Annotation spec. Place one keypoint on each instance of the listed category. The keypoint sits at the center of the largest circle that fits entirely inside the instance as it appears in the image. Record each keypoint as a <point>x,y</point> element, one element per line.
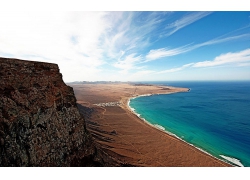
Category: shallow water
<point>213,116</point>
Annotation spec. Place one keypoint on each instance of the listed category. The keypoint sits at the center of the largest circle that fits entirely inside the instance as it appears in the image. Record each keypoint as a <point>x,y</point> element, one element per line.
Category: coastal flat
<point>128,138</point>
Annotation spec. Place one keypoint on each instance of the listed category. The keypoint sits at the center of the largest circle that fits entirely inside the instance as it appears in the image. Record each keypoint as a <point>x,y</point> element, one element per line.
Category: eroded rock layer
<point>40,124</point>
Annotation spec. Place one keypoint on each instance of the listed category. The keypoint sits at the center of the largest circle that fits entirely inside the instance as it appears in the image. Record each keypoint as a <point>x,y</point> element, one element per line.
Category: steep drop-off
<point>40,124</point>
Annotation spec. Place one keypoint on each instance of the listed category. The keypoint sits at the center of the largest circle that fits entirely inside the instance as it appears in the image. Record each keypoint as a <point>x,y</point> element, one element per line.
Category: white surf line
<point>159,127</point>
<point>172,134</point>
<point>232,160</point>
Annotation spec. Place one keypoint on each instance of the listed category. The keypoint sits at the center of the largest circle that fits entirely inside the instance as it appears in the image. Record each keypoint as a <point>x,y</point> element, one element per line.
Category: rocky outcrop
<point>40,124</point>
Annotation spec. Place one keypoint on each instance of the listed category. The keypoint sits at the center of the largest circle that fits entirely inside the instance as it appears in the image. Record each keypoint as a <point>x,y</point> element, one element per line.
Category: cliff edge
<point>40,124</point>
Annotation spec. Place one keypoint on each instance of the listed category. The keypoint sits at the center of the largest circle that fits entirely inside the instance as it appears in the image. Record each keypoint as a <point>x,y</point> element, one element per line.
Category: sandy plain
<point>130,139</point>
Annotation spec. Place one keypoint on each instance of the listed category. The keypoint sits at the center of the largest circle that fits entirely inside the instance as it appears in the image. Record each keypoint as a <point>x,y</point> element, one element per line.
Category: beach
<point>124,135</point>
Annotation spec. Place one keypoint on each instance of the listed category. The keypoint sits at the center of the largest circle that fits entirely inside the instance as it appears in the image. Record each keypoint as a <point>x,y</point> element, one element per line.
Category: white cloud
<point>50,34</point>
<point>241,58</point>
<point>82,42</point>
<point>164,52</point>
<point>220,40</point>
<point>184,21</point>
<point>68,39</point>
<point>228,58</point>
<point>76,40</point>
<point>155,54</point>
<point>128,32</point>
<point>176,69</point>
<point>128,63</point>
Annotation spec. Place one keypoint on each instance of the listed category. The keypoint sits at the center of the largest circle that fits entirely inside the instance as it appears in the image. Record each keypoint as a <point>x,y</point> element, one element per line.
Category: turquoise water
<point>213,116</point>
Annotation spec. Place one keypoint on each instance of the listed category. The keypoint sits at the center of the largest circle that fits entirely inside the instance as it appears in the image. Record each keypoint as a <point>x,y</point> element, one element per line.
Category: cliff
<point>40,124</point>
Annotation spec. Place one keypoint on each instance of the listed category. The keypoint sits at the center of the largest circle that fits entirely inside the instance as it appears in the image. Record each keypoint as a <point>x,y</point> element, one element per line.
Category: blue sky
<point>132,46</point>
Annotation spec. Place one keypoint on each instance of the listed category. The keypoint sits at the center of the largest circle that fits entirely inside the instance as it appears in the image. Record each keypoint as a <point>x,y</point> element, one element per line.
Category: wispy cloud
<point>228,58</point>
<point>241,58</point>
<point>128,63</point>
<point>131,61</point>
<point>164,52</point>
<point>175,69</point>
<point>184,21</point>
<point>155,54</point>
<point>129,32</point>
<point>221,40</point>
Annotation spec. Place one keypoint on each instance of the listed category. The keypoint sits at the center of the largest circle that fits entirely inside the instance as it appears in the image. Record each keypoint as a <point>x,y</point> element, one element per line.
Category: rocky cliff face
<point>40,124</point>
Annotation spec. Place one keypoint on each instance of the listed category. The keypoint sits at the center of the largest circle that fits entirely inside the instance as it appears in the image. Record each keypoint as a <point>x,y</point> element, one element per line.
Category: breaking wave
<point>232,160</point>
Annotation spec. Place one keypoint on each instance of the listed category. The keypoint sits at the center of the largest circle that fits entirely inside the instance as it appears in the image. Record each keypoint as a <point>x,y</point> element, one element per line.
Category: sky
<point>132,45</point>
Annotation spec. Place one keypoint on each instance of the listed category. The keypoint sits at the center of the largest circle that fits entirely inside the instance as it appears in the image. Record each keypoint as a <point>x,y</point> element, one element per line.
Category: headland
<point>120,132</point>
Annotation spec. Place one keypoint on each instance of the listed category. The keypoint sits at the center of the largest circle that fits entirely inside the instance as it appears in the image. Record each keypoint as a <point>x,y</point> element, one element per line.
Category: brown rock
<point>40,124</point>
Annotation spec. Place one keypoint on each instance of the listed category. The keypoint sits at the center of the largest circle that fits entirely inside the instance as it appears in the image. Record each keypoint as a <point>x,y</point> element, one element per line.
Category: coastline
<point>130,138</point>
<point>162,129</point>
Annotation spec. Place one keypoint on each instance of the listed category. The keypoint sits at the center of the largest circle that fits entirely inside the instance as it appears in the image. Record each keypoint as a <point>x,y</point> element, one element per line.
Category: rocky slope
<point>40,124</point>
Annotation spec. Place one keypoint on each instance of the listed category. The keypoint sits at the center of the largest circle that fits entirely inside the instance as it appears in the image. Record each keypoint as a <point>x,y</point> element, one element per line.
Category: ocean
<point>212,116</point>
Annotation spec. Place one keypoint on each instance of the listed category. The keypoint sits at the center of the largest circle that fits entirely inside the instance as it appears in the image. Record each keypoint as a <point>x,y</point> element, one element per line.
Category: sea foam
<point>206,90</point>
<point>159,127</point>
<point>174,135</point>
<point>232,160</point>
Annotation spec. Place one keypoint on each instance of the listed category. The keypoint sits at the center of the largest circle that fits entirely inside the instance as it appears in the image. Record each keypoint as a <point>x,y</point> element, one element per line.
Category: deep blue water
<point>213,116</point>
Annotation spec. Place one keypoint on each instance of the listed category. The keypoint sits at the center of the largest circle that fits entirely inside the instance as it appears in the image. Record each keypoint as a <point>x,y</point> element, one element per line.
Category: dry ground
<point>127,137</point>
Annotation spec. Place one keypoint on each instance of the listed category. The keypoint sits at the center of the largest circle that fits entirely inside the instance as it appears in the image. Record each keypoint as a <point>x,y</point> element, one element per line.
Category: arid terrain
<point>128,138</point>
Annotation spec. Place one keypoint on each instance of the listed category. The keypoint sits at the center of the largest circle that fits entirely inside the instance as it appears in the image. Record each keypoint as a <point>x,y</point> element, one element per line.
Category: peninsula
<point>123,134</point>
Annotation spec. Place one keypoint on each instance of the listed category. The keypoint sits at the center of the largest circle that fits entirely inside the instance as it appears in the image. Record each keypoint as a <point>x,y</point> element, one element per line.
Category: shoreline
<point>131,138</point>
<point>162,129</point>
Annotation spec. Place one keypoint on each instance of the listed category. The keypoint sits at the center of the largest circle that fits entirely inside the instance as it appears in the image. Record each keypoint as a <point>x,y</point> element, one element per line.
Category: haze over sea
<point>213,116</point>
